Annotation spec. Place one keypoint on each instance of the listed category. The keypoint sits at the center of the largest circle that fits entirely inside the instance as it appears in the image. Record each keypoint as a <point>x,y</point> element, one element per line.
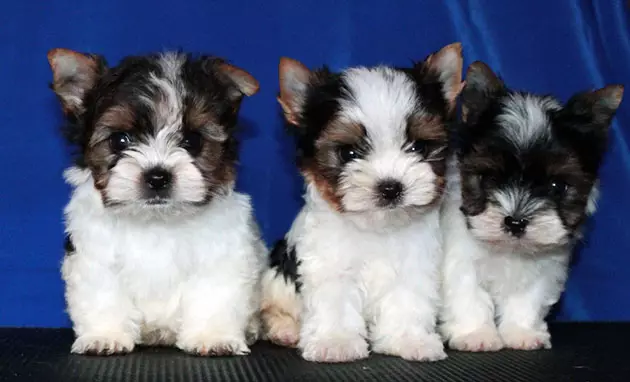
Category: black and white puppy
<point>160,249</point>
<point>524,179</point>
<point>361,259</point>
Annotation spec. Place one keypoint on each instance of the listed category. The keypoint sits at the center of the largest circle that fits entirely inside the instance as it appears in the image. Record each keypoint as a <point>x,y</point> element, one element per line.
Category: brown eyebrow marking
<point>344,132</point>
<point>426,127</point>
<point>198,115</point>
<point>118,117</point>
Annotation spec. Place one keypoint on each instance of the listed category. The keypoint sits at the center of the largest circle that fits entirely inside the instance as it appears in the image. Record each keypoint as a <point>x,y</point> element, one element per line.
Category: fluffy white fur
<point>190,281</point>
<point>180,267</point>
<point>516,284</point>
<point>496,290</point>
<point>374,280</point>
<point>368,274</point>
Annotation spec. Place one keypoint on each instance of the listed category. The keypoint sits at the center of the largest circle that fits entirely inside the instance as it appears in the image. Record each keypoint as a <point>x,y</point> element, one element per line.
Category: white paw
<point>283,330</point>
<point>483,339</point>
<point>426,348</point>
<point>252,333</point>
<point>288,337</point>
<point>519,338</point>
<point>214,347</point>
<point>102,345</point>
<point>335,349</point>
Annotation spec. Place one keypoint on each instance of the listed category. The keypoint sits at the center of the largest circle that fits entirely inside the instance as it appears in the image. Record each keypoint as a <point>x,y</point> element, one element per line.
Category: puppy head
<point>156,131</point>
<point>528,163</point>
<point>373,138</point>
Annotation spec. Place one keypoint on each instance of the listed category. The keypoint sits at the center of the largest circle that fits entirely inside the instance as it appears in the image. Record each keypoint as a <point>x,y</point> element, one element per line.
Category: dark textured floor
<point>582,352</point>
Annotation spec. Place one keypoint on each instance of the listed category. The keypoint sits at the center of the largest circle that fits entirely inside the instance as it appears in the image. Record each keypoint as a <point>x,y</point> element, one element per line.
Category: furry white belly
<point>154,265</point>
<point>504,274</point>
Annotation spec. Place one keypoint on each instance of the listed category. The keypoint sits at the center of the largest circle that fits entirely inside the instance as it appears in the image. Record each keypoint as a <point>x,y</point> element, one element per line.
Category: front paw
<point>210,346</point>
<point>426,348</point>
<point>102,344</point>
<point>519,338</point>
<point>282,330</point>
<point>335,349</point>
<point>484,339</point>
<point>252,333</point>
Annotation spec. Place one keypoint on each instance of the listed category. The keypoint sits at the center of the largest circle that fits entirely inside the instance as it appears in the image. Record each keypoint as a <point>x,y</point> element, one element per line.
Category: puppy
<point>361,259</point>
<point>522,182</point>
<point>160,249</point>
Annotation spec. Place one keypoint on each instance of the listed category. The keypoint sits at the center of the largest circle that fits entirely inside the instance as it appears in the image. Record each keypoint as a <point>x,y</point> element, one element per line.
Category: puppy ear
<point>294,82</point>
<point>245,83</point>
<point>448,63</point>
<point>74,74</point>
<point>586,118</point>
<point>595,109</point>
<point>482,85</point>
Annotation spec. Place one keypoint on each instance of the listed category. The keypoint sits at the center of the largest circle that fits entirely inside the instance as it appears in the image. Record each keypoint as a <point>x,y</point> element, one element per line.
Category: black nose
<point>515,226</point>
<point>157,178</point>
<point>390,189</point>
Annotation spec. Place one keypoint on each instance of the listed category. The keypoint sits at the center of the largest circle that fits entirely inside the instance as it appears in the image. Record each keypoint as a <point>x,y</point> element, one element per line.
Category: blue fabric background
<point>540,45</point>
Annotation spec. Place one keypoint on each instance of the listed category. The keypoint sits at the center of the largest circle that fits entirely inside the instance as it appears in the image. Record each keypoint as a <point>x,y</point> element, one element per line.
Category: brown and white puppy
<point>522,182</point>
<point>159,247</point>
<point>360,262</point>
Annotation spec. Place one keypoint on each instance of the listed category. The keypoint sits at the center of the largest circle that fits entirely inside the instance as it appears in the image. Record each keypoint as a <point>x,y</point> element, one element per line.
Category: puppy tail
<point>281,303</point>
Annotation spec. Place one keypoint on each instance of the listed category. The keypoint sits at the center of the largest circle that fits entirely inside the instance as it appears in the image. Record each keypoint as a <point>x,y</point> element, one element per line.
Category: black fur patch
<point>124,99</point>
<point>568,150</point>
<point>284,260</point>
<point>326,90</point>
<point>68,245</point>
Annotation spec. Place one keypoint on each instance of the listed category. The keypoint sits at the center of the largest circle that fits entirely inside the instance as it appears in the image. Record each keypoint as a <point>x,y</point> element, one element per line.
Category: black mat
<point>582,352</point>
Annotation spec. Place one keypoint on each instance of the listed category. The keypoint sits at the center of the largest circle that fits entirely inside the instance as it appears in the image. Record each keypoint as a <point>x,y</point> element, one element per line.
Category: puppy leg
<point>522,316</point>
<point>218,304</point>
<point>333,329</point>
<point>467,313</point>
<point>403,307</point>
<point>280,309</point>
<point>103,317</point>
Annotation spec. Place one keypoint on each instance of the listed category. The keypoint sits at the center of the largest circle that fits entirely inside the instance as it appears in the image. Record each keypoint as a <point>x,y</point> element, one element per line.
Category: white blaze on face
<point>381,100</point>
<point>162,148</point>
<point>544,228</point>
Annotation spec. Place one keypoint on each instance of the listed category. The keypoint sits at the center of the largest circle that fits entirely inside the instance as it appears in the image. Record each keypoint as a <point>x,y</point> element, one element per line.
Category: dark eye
<point>348,153</point>
<point>418,147</point>
<point>557,188</point>
<point>119,141</point>
<point>192,141</point>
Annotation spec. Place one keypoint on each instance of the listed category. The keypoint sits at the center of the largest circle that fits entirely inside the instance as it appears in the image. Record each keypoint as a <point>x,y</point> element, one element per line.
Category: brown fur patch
<point>98,158</point>
<point>343,133</point>
<point>427,127</point>
<point>198,116</point>
<point>119,117</point>
<point>432,130</point>
<point>217,156</point>
<point>324,169</point>
<point>327,189</point>
<point>216,164</point>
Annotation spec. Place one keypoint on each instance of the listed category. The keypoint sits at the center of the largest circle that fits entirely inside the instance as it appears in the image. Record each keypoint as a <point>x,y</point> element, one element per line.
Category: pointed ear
<point>482,85</point>
<point>448,63</point>
<point>294,81</point>
<point>245,83</point>
<point>596,107</point>
<point>74,74</point>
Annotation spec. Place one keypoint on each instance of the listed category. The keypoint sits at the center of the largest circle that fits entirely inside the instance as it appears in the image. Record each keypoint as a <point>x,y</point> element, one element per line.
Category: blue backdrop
<point>539,45</point>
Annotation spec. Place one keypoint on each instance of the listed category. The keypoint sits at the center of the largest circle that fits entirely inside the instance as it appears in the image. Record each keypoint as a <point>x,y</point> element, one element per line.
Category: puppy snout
<point>158,179</point>
<point>515,226</point>
<point>390,190</point>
